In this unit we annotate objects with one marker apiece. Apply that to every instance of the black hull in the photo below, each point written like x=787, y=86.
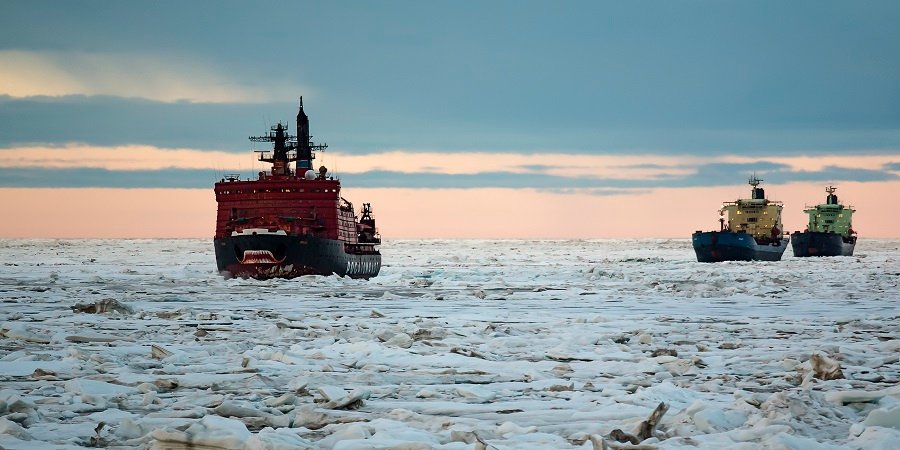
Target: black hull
x=813, y=243
x=718, y=246
x=264, y=256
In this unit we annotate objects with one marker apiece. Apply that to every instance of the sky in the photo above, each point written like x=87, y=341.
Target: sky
x=502, y=119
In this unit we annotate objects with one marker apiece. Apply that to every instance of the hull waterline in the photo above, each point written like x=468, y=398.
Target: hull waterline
x=717, y=246
x=282, y=256
x=812, y=243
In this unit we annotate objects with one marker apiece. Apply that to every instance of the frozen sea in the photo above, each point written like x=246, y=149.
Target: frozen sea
x=514, y=344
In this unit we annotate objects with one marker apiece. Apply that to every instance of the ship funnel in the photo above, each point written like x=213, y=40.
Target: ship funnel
x=759, y=193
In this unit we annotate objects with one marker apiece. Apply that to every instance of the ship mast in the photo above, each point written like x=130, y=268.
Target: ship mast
x=284, y=151
x=758, y=193
x=831, y=199
x=305, y=145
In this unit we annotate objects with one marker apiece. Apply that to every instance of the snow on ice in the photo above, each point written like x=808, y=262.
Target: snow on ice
x=456, y=345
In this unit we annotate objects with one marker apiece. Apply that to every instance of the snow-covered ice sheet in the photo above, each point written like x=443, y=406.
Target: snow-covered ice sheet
x=456, y=345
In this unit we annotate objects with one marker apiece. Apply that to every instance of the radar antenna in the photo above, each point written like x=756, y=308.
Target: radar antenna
x=754, y=181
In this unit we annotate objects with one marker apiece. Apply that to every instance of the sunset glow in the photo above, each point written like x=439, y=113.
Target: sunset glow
x=435, y=213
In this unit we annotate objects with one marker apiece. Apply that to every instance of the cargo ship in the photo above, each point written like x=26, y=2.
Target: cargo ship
x=292, y=222
x=751, y=232
x=829, y=231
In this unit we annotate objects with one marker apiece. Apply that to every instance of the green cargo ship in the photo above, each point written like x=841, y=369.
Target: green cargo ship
x=830, y=229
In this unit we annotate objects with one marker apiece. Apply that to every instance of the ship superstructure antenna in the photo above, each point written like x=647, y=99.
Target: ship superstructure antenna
x=284, y=151
x=754, y=181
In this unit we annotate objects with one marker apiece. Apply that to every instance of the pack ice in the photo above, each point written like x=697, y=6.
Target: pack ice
x=456, y=345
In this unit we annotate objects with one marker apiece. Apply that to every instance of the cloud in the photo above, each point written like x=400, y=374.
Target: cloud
x=525, y=163
x=528, y=168
x=832, y=173
x=717, y=174
x=362, y=128
x=111, y=121
x=165, y=78
x=595, y=191
x=147, y=166
x=126, y=158
x=80, y=178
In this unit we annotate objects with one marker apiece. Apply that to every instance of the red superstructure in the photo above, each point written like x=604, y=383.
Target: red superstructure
x=295, y=205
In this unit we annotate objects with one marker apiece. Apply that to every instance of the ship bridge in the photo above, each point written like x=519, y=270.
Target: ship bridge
x=831, y=216
x=756, y=216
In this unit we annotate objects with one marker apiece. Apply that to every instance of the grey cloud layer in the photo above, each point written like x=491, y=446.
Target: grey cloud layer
x=706, y=175
x=106, y=121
